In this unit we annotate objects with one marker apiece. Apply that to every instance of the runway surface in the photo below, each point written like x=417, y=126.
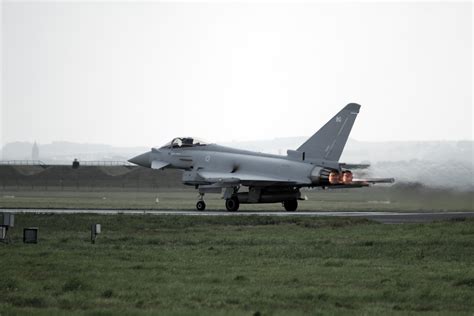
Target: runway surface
x=383, y=217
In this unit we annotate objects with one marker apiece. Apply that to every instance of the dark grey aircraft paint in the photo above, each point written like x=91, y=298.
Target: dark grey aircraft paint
x=269, y=178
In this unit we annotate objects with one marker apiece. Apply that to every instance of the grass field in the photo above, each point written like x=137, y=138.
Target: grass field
x=363, y=199
x=252, y=265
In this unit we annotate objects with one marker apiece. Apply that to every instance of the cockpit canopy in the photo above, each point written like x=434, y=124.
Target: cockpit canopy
x=180, y=142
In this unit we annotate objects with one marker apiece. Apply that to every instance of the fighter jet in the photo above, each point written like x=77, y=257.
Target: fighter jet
x=252, y=177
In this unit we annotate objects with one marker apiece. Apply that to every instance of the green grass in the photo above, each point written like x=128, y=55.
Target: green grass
x=145, y=264
x=364, y=199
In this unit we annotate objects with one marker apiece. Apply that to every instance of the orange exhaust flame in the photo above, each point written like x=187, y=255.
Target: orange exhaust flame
x=346, y=177
x=333, y=177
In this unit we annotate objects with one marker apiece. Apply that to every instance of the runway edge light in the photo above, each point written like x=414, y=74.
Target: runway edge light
x=8, y=219
x=96, y=229
x=7, y=222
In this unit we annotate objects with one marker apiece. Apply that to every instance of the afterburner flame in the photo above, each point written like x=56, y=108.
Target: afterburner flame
x=340, y=178
x=334, y=177
x=347, y=177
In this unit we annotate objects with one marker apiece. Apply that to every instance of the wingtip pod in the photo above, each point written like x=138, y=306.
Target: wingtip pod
x=354, y=107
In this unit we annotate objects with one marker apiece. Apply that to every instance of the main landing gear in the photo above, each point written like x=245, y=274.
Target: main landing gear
x=288, y=198
x=232, y=204
x=290, y=205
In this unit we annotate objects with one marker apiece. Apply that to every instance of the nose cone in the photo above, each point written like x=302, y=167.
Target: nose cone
x=142, y=160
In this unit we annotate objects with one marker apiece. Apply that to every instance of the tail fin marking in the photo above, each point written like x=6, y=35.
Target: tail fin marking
x=329, y=141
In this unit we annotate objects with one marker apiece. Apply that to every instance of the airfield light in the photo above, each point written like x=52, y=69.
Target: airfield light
x=8, y=219
x=3, y=232
x=95, y=230
x=30, y=235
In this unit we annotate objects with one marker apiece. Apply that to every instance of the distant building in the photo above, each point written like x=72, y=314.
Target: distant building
x=35, y=152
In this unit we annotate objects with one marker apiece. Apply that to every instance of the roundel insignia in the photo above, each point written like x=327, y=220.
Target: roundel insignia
x=208, y=158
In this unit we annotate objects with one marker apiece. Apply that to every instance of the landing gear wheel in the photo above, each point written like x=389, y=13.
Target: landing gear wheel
x=290, y=205
x=232, y=204
x=200, y=205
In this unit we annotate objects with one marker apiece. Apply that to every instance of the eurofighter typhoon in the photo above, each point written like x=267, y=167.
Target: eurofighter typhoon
x=267, y=178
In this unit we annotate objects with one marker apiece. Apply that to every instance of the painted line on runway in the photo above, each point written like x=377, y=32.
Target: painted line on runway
x=384, y=217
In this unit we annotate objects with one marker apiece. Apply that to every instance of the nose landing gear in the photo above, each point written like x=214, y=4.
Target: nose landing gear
x=201, y=205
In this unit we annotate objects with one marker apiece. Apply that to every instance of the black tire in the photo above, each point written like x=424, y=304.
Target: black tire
x=290, y=205
x=200, y=206
x=232, y=204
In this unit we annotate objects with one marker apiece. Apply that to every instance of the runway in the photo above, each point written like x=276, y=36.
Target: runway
x=382, y=217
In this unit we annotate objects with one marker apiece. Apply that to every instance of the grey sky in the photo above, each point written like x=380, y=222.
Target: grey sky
x=142, y=73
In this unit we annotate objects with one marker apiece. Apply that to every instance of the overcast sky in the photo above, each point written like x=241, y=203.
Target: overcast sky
x=142, y=73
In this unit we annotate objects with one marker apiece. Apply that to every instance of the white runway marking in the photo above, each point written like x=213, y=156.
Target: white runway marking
x=384, y=217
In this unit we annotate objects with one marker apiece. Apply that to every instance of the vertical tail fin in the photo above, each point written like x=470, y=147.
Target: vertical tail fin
x=329, y=141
